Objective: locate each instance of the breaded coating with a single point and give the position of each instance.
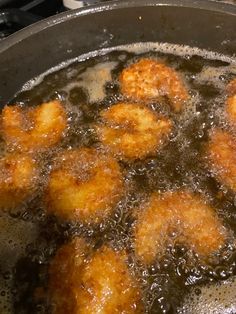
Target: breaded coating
(231, 102)
(18, 174)
(101, 283)
(150, 80)
(231, 87)
(107, 285)
(188, 216)
(65, 276)
(84, 186)
(131, 131)
(33, 129)
(221, 152)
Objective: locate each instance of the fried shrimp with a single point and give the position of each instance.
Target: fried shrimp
(18, 173)
(85, 186)
(107, 285)
(33, 129)
(231, 102)
(131, 131)
(148, 80)
(221, 152)
(64, 276)
(100, 283)
(193, 221)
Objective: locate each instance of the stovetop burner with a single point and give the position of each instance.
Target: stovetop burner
(15, 15)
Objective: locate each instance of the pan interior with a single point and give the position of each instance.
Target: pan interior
(86, 85)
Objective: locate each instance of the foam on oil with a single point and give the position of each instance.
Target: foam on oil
(212, 298)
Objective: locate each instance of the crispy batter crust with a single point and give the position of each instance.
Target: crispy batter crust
(148, 80)
(131, 131)
(85, 186)
(189, 216)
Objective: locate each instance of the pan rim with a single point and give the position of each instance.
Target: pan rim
(217, 7)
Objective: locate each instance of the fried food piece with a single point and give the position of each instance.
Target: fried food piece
(231, 87)
(85, 186)
(100, 283)
(65, 275)
(33, 129)
(193, 221)
(221, 151)
(148, 80)
(131, 131)
(231, 102)
(107, 285)
(18, 173)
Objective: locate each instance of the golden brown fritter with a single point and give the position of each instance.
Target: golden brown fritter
(187, 215)
(148, 80)
(131, 131)
(101, 283)
(33, 129)
(85, 186)
(231, 102)
(221, 152)
(18, 175)
(231, 87)
(65, 276)
(107, 285)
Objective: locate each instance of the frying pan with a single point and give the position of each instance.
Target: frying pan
(37, 48)
(45, 44)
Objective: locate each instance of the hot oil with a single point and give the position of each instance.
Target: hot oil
(86, 86)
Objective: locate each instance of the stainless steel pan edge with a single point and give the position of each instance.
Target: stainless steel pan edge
(113, 5)
(27, 53)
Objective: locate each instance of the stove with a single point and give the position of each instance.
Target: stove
(17, 14)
